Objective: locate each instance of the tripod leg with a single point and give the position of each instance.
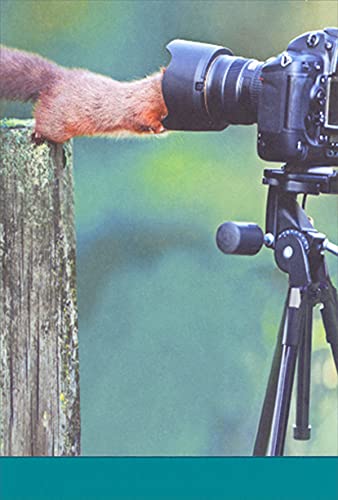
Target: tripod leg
(302, 429)
(264, 427)
(294, 324)
(283, 398)
(334, 349)
(330, 319)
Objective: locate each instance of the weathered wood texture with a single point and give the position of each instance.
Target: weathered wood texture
(39, 393)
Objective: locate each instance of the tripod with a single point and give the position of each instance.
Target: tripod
(299, 251)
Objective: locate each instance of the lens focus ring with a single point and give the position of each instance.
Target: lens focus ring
(232, 89)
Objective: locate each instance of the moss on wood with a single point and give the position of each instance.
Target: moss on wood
(39, 385)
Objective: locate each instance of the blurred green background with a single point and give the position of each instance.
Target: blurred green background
(176, 339)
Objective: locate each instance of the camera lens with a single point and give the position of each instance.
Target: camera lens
(206, 87)
(232, 89)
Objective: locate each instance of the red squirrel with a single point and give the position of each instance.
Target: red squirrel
(73, 102)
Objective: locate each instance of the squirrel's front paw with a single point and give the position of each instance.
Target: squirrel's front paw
(150, 121)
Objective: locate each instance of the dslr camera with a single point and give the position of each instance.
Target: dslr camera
(293, 97)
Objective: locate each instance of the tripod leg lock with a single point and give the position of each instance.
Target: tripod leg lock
(293, 319)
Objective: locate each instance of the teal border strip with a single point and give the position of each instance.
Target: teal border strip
(169, 478)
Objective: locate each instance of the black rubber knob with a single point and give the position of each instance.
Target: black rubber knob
(242, 238)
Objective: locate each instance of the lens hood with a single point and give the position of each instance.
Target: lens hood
(184, 85)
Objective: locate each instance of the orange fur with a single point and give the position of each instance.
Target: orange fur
(73, 102)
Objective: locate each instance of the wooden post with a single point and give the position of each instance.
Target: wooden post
(39, 379)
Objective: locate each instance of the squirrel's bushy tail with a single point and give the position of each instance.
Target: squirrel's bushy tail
(23, 75)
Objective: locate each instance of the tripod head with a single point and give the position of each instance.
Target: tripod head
(313, 180)
(283, 213)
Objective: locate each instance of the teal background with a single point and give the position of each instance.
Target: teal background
(169, 478)
(176, 339)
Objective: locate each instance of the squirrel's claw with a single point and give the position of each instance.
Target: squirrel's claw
(37, 138)
(158, 129)
(154, 128)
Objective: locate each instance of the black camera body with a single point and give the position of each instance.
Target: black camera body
(298, 106)
(293, 97)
